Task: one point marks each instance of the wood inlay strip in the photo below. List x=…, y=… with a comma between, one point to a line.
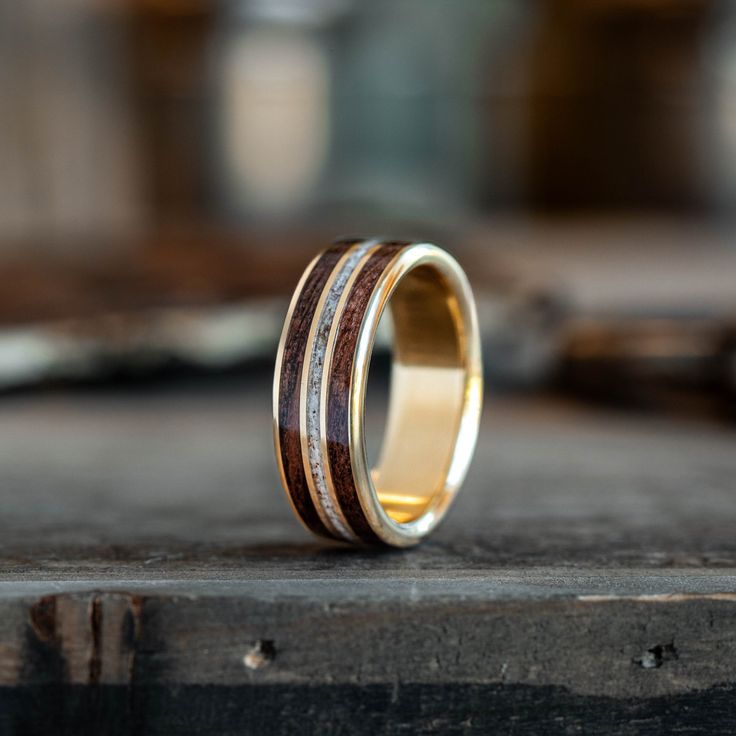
x=292, y=363
x=338, y=391
x=317, y=348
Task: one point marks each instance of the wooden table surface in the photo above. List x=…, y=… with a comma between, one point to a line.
x=153, y=579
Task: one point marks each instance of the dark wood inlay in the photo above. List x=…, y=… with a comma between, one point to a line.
x=338, y=392
x=290, y=386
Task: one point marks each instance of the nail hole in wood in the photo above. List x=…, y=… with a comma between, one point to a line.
x=261, y=653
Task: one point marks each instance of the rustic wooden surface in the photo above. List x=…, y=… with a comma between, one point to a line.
x=153, y=580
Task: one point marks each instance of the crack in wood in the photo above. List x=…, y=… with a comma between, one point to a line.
x=95, y=625
x=43, y=618
x=87, y=639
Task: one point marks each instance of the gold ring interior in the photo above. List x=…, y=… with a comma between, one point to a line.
x=426, y=396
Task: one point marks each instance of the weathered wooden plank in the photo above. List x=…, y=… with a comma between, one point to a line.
x=187, y=478
x=615, y=666
x=344, y=710
x=591, y=644
x=585, y=581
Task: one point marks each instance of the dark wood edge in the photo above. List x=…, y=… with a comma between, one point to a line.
x=338, y=391
x=292, y=363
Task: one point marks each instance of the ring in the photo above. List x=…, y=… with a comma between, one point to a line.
x=435, y=394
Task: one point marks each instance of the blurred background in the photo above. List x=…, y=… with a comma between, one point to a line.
x=168, y=167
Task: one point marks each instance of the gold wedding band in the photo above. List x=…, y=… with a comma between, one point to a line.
x=320, y=386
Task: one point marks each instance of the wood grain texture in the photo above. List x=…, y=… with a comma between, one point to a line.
x=338, y=390
x=584, y=581
x=363, y=710
x=292, y=365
